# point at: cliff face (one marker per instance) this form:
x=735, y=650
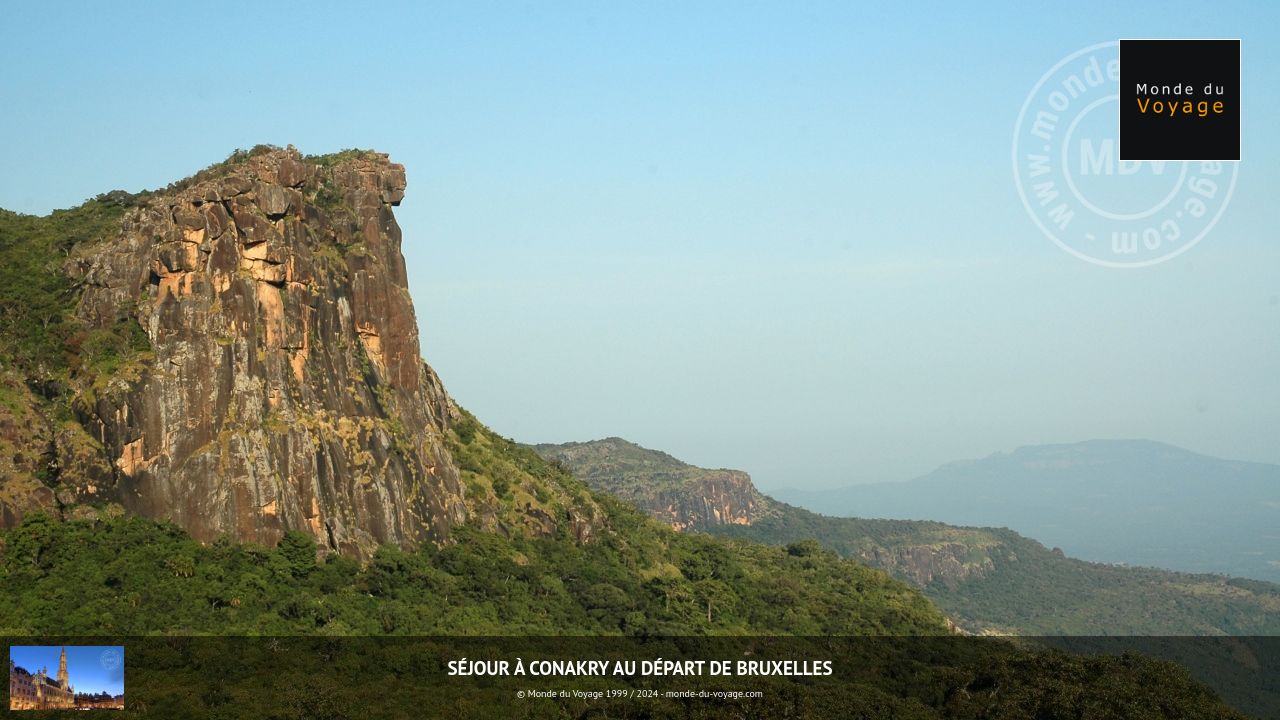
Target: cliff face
x=681, y=495
x=714, y=497
x=949, y=564
x=698, y=499
x=280, y=384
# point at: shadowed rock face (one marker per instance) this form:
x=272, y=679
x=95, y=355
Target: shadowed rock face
x=284, y=388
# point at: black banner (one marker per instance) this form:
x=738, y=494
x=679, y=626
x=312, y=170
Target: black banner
x=322, y=678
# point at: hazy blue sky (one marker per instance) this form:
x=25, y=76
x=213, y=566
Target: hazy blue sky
x=90, y=668
x=779, y=236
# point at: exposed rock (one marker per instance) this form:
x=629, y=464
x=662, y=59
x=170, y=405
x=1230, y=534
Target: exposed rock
x=714, y=497
x=273, y=200
x=922, y=565
x=242, y=358
x=292, y=173
x=690, y=498
x=681, y=495
x=284, y=388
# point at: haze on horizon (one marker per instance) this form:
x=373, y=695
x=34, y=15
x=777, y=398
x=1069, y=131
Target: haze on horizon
x=783, y=240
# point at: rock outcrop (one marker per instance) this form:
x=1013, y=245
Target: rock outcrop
x=713, y=497
x=691, y=498
x=683, y=496
x=949, y=564
x=283, y=386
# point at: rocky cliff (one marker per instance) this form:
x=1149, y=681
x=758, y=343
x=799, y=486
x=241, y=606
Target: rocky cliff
x=691, y=498
x=238, y=354
x=681, y=495
x=283, y=386
x=946, y=563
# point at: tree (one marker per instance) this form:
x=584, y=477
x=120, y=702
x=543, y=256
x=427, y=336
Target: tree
x=299, y=549
x=715, y=595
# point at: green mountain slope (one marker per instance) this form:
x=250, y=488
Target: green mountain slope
x=1118, y=501
x=995, y=580
x=127, y=575
x=294, y=262
x=679, y=494
x=988, y=580
x=270, y=240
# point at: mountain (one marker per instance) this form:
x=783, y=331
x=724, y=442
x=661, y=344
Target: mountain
x=200, y=391
x=237, y=354
x=236, y=358
x=987, y=579
x=678, y=494
x=1117, y=501
x=214, y=420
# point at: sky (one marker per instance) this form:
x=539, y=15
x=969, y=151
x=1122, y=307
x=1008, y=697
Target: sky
x=91, y=669
x=781, y=237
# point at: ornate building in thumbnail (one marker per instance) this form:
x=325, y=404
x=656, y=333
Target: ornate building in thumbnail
x=39, y=691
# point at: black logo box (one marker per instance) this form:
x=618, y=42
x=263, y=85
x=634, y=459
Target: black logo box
x=1187, y=68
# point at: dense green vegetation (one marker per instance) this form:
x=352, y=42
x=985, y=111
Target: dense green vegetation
x=988, y=580
x=514, y=487
x=1039, y=592
x=135, y=576
x=1031, y=590
x=1136, y=502
x=38, y=333
x=130, y=576
x=543, y=556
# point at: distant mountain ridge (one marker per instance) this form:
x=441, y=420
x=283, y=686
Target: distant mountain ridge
x=987, y=579
x=1135, y=502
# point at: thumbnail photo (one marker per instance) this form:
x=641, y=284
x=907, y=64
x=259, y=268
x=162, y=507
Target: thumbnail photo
x=88, y=677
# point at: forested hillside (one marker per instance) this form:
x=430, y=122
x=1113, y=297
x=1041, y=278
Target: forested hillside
x=128, y=575
x=214, y=420
x=995, y=580
x=988, y=580
x=114, y=575
x=1136, y=502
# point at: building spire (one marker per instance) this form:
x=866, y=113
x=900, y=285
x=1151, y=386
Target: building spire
x=62, y=670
